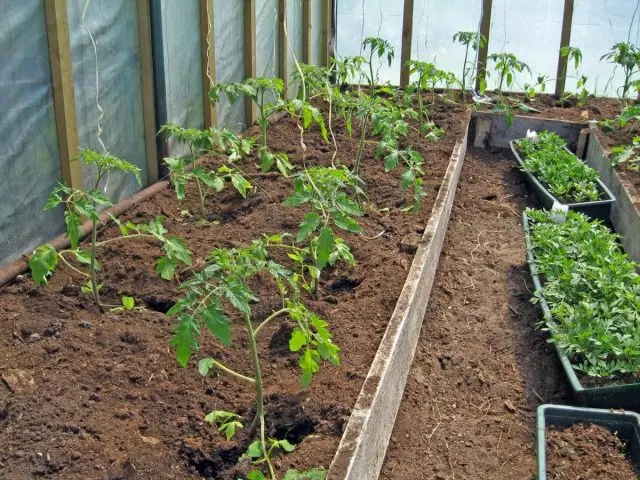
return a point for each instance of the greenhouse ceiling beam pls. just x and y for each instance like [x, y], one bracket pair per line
[148, 91]
[208, 57]
[63, 91]
[565, 41]
[483, 51]
[407, 34]
[250, 70]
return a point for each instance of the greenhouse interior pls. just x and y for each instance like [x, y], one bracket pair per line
[320, 239]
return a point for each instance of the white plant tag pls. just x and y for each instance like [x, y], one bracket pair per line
[532, 134]
[559, 212]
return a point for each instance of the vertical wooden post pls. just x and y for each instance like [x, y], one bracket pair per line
[565, 40]
[327, 32]
[307, 30]
[282, 39]
[208, 56]
[250, 54]
[485, 27]
[407, 35]
[148, 93]
[64, 102]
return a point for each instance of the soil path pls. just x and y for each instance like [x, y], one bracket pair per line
[481, 368]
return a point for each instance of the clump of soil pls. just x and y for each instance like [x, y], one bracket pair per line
[587, 452]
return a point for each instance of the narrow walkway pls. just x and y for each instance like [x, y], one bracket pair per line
[481, 369]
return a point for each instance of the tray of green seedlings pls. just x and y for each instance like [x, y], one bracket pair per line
[623, 426]
[557, 175]
[589, 292]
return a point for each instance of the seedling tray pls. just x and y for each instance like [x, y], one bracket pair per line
[599, 209]
[625, 396]
[625, 424]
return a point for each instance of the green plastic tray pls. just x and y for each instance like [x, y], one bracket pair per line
[625, 396]
[599, 209]
[625, 424]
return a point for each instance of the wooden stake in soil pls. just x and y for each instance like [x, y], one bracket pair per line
[250, 54]
[485, 27]
[307, 31]
[327, 32]
[407, 35]
[282, 39]
[63, 90]
[565, 41]
[208, 55]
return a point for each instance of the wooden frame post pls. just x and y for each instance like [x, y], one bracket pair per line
[64, 102]
[282, 39]
[250, 54]
[483, 52]
[148, 90]
[327, 32]
[307, 30]
[208, 57]
[565, 40]
[407, 35]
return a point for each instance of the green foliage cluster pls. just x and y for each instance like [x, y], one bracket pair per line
[592, 290]
[561, 172]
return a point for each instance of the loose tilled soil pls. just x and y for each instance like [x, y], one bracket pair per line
[481, 368]
[585, 451]
[87, 395]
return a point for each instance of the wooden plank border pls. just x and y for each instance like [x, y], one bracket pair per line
[327, 32]
[407, 36]
[208, 56]
[483, 52]
[565, 40]
[250, 54]
[148, 90]
[64, 102]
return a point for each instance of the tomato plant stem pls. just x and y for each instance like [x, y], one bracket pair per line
[94, 279]
[233, 373]
[269, 318]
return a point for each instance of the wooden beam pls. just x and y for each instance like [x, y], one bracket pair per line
[208, 56]
[148, 93]
[250, 54]
[64, 102]
[307, 30]
[407, 35]
[282, 39]
[327, 32]
[483, 52]
[565, 41]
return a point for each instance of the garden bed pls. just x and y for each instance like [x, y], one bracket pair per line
[88, 394]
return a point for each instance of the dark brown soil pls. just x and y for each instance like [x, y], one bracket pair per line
[481, 368]
[586, 452]
[98, 395]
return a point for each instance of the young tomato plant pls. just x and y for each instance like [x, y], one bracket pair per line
[629, 155]
[627, 56]
[412, 176]
[81, 205]
[223, 286]
[428, 76]
[574, 54]
[507, 65]
[377, 47]
[474, 40]
[266, 94]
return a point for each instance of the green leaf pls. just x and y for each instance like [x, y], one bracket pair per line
[346, 223]
[308, 226]
[325, 246]
[255, 449]
[73, 222]
[42, 263]
[256, 475]
[128, 303]
[83, 256]
[298, 340]
[218, 324]
[204, 367]
[177, 250]
[285, 445]
[313, 474]
[309, 365]
[185, 339]
[391, 161]
[166, 268]
[407, 179]
[241, 184]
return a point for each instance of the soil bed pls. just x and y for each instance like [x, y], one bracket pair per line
[588, 452]
[481, 368]
[89, 395]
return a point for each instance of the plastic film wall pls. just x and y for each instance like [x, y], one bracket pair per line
[30, 158]
[530, 30]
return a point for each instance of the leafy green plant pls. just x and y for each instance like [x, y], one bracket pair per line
[222, 286]
[412, 176]
[347, 68]
[329, 192]
[566, 177]
[378, 47]
[235, 146]
[428, 77]
[592, 290]
[266, 94]
[574, 54]
[627, 56]
[629, 155]
[473, 40]
[80, 205]
[507, 65]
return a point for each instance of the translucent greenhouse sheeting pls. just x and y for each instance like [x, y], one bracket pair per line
[29, 159]
[295, 39]
[229, 40]
[267, 44]
[114, 26]
[317, 29]
[178, 65]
